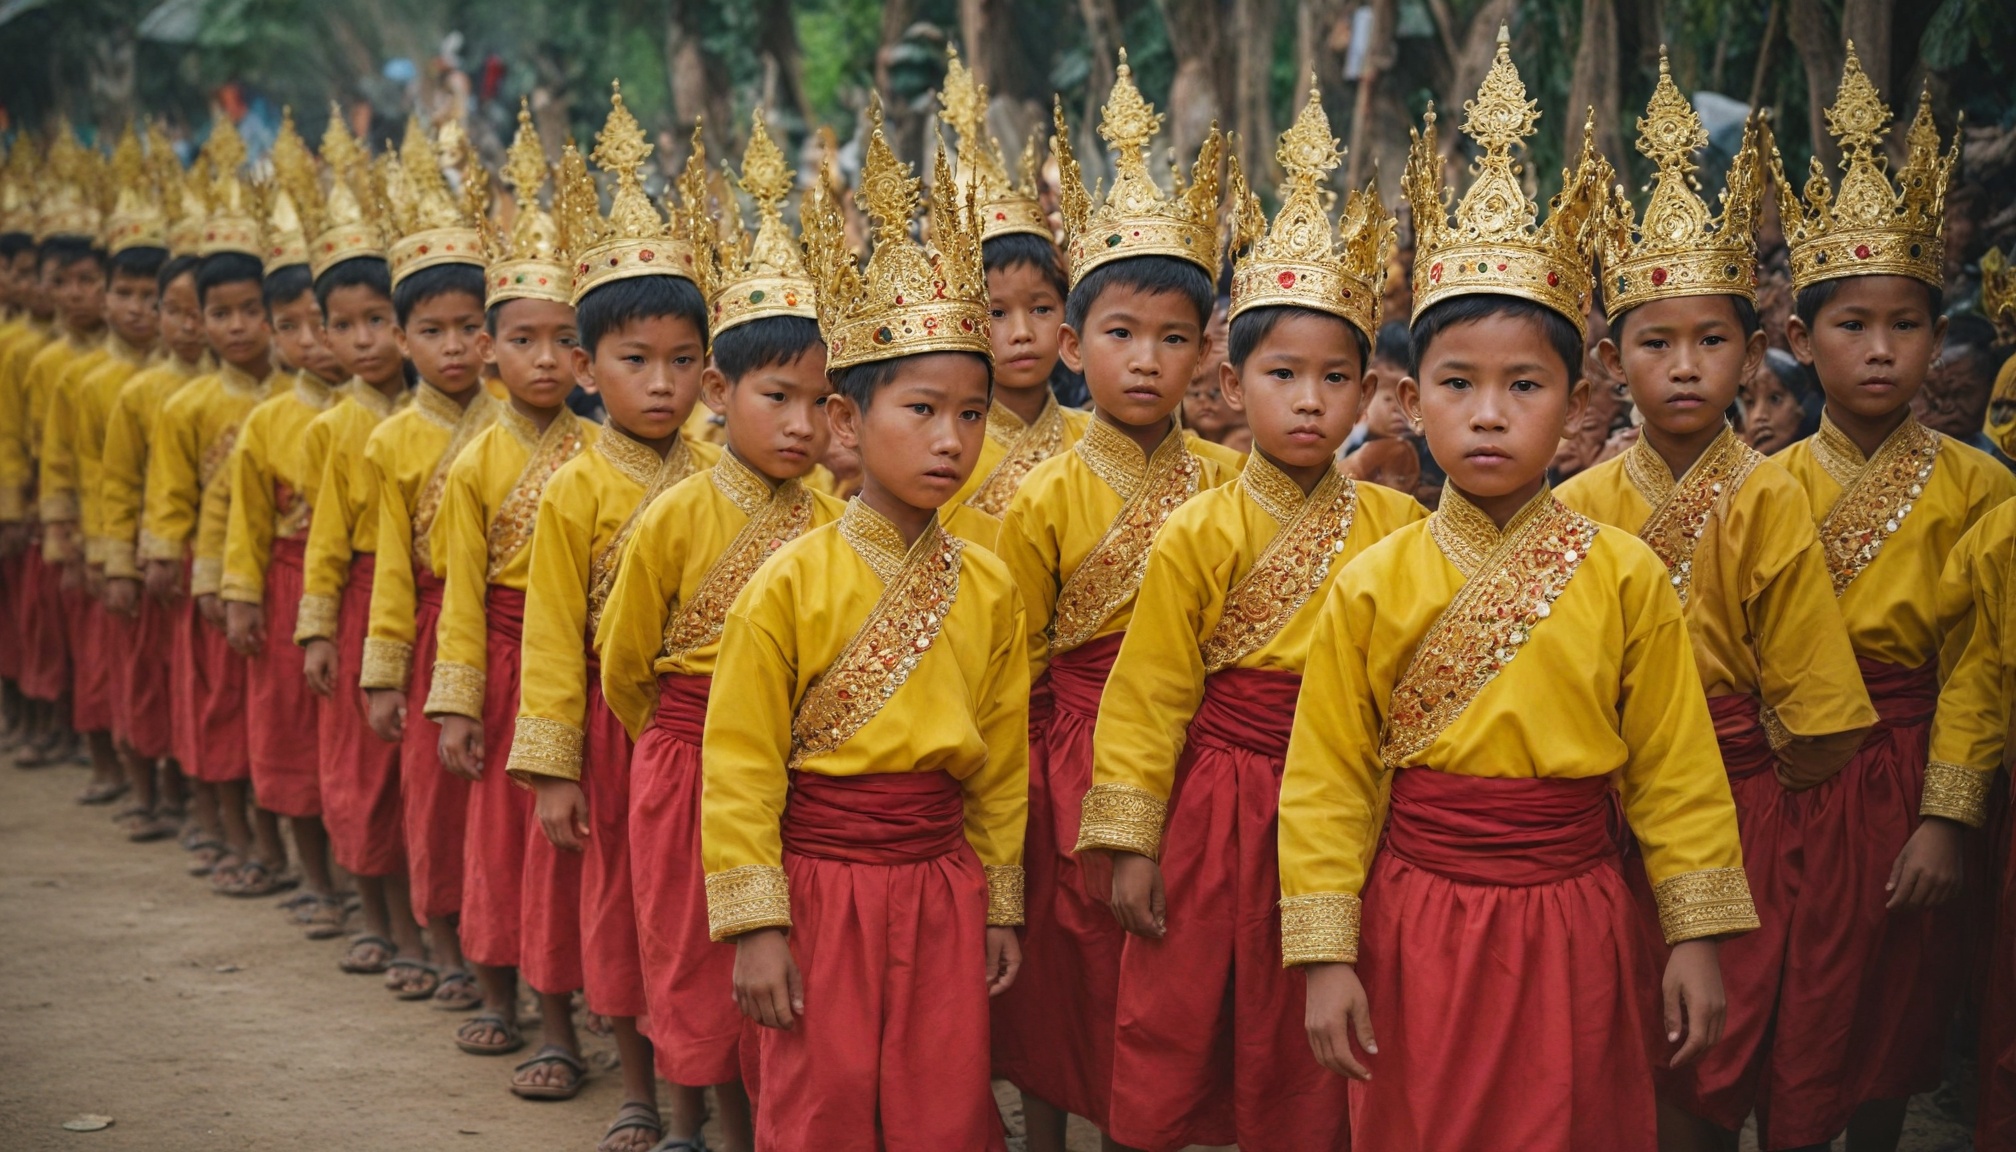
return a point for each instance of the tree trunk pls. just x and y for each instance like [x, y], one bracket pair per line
[1814, 37]
[699, 85]
[903, 126]
[111, 79]
[1380, 56]
[1866, 23]
[1201, 91]
[1254, 23]
[1766, 48]
[778, 40]
[1594, 84]
[1004, 59]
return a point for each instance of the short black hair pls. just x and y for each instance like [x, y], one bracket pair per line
[286, 284]
[860, 382]
[1254, 325]
[1393, 344]
[1804, 385]
[63, 251]
[610, 306]
[1807, 304]
[357, 272]
[1155, 275]
[1444, 314]
[12, 244]
[175, 269]
[141, 260]
[778, 340]
[223, 268]
[1746, 315]
[1027, 250]
[440, 280]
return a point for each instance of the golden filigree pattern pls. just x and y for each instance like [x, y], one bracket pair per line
[747, 898]
[1706, 902]
[511, 530]
[1320, 928]
[1680, 511]
[1004, 895]
[206, 576]
[467, 424]
[677, 465]
[291, 512]
[216, 454]
[1023, 447]
[456, 689]
[1123, 818]
[1112, 570]
[780, 519]
[387, 664]
[1289, 571]
[1956, 792]
[544, 747]
[1774, 728]
[1873, 504]
[316, 618]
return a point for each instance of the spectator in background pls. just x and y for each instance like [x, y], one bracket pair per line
[1204, 410]
[1780, 404]
[1384, 419]
[1390, 463]
[1956, 395]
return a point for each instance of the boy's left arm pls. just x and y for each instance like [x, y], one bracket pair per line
[388, 641]
[997, 795]
[553, 683]
[325, 562]
[1970, 728]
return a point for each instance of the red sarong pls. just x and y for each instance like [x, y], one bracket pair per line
[92, 665]
[12, 570]
[435, 800]
[493, 852]
[612, 965]
[696, 1028]
[144, 651]
[279, 707]
[210, 734]
[1209, 1041]
[360, 772]
[889, 913]
[550, 903]
[1511, 994]
[1054, 1026]
[45, 656]
[1868, 994]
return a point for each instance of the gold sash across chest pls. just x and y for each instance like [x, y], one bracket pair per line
[1111, 572]
[1681, 510]
[511, 529]
[466, 424]
[775, 519]
[1024, 446]
[1295, 563]
[654, 475]
[1876, 493]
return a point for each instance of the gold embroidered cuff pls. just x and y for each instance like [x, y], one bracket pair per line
[55, 506]
[94, 550]
[1707, 902]
[1123, 817]
[121, 559]
[1004, 895]
[1320, 928]
[236, 589]
[1774, 729]
[56, 546]
[387, 664]
[153, 547]
[13, 503]
[317, 618]
[206, 576]
[1956, 793]
[542, 747]
[745, 899]
[456, 690]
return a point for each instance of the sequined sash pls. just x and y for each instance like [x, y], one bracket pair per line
[678, 465]
[1024, 445]
[481, 413]
[1112, 570]
[698, 621]
[1293, 565]
[1875, 496]
[1680, 511]
[511, 529]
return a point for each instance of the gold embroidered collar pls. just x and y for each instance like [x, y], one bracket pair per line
[313, 391]
[1877, 493]
[1468, 537]
[119, 348]
[371, 399]
[522, 426]
[743, 485]
[1023, 447]
[877, 541]
[1681, 510]
[236, 379]
[1289, 570]
[440, 407]
[1118, 461]
[1003, 425]
[1276, 494]
[638, 462]
[775, 519]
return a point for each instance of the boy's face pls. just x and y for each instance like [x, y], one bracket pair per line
[1955, 397]
[130, 309]
[1204, 409]
[1384, 418]
[1872, 343]
[648, 373]
[78, 288]
[360, 326]
[235, 324]
[920, 438]
[440, 337]
[1300, 389]
[1684, 360]
[1495, 401]
[776, 413]
[299, 342]
[1138, 353]
[1027, 313]
[1771, 412]
[534, 351]
[182, 319]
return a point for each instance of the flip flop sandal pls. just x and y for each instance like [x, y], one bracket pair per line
[402, 991]
[489, 1022]
[256, 879]
[458, 992]
[205, 855]
[553, 1055]
[357, 967]
[103, 793]
[300, 899]
[135, 813]
[633, 1116]
[681, 1144]
[324, 919]
[157, 828]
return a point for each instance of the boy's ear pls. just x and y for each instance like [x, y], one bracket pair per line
[584, 369]
[1230, 388]
[1753, 353]
[1578, 404]
[399, 336]
[714, 387]
[1069, 350]
[845, 420]
[1800, 338]
[1938, 336]
[1612, 357]
[1410, 400]
[486, 347]
[1368, 387]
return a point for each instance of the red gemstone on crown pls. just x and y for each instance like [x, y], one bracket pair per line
[647, 255]
[1287, 279]
[1861, 251]
[1658, 277]
[1553, 279]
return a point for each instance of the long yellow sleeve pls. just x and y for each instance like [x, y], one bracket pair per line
[213, 526]
[345, 500]
[17, 461]
[174, 487]
[97, 396]
[1970, 730]
[122, 475]
[248, 522]
[56, 480]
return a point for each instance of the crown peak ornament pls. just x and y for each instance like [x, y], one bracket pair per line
[1006, 206]
[69, 203]
[634, 239]
[527, 261]
[292, 193]
[231, 220]
[753, 275]
[137, 220]
[1998, 294]
[431, 226]
[18, 187]
[348, 227]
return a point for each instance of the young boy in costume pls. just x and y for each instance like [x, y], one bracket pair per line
[863, 807]
[1209, 1047]
[1877, 948]
[30, 328]
[1483, 690]
[1732, 530]
[1076, 536]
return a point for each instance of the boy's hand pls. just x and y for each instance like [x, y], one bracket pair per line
[1004, 959]
[768, 988]
[71, 576]
[562, 810]
[122, 596]
[462, 747]
[1336, 1014]
[94, 581]
[1928, 871]
[1695, 1007]
[318, 666]
[211, 609]
[164, 580]
[387, 713]
[244, 627]
[1137, 895]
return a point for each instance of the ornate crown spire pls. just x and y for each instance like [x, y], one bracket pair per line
[757, 274]
[1867, 227]
[909, 298]
[231, 218]
[430, 224]
[1136, 219]
[1998, 294]
[1493, 245]
[347, 227]
[528, 260]
[634, 239]
[1300, 263]
[19, 186]
[1005, 206]
[293, 184]
[181, 193]
[70, 188]
[136, 220]
[1678, 249]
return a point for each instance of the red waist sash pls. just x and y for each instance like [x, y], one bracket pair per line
[682, 706]
[883, 818]
[504, 610]
[363, 567]
[427, 589]
[1739, 729]
[1078, 677]
[1249, 709]
[289, 551]
[1516, 832]
[1904, 697]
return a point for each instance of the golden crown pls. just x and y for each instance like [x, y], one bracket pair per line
[292, 183]
[136, 220]
[18, 187]
[1998, 294]
[634, 239]
[1300, 263]
[1493, 245]
[528, 261]
[72, 191]
[231, 211]
[1677, 248]
[181, 194]
[909, 298]
[750, 276]
[1867, 227]
[1136, 219]
[430, 224]
[1006, 207]
[347, 226]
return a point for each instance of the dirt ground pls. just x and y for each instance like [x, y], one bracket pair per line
[205, 1024]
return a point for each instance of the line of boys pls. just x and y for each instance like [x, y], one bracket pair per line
[1099, 691]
